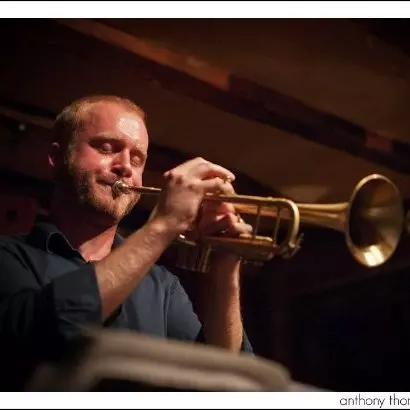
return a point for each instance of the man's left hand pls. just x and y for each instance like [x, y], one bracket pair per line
[220, 218]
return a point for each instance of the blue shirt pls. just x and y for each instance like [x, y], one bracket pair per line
[48, 291]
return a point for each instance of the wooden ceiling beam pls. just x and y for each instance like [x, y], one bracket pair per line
[223, 89]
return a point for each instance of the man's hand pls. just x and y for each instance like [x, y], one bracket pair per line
[220, 218]
[183, 193]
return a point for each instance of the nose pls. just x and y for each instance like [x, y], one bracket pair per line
[122, 165]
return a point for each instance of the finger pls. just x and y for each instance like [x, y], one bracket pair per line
[226, 188]
[201, 169]
[206, 170]
[217, 208]
[208, 218]
[183, 168]
[229, 225]
[217, 186]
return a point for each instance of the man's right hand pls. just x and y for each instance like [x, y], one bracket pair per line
[184, 190]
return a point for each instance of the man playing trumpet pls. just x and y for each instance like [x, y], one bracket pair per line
[74, 270]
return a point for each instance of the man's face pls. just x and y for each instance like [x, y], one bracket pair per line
[112, 144]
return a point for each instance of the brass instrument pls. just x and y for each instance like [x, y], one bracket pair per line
[372, 221]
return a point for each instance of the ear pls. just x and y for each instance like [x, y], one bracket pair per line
[55, 155]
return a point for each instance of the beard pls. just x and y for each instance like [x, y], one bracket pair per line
[94, 196]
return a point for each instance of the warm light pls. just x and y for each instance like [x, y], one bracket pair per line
[373, 256]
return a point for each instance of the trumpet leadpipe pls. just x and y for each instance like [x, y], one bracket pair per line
[246, 204]
[120, 187]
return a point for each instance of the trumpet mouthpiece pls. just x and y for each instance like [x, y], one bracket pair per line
[120, 187]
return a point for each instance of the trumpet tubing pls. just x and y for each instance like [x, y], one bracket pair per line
[372, 221]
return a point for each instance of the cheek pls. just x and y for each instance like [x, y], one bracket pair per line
[138, 177]
[94, 164]
[102, 164]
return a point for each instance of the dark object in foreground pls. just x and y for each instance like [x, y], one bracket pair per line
[127, 361]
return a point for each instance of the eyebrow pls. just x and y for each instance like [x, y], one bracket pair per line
[107, 135]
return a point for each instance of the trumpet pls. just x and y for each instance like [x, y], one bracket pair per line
[371, 221]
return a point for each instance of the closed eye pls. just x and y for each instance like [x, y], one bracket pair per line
[106, 145]
[138, 159]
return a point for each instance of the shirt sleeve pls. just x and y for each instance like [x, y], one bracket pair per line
[42, 319]
[182, 321]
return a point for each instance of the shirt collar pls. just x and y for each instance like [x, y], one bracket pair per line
[48, 237]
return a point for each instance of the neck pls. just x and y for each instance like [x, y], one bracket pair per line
[91, 237]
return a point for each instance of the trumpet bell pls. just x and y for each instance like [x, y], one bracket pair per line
[374, 220]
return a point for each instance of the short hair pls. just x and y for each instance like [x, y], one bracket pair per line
[68, 121]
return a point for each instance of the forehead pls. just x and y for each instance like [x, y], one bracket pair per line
[114, 119]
